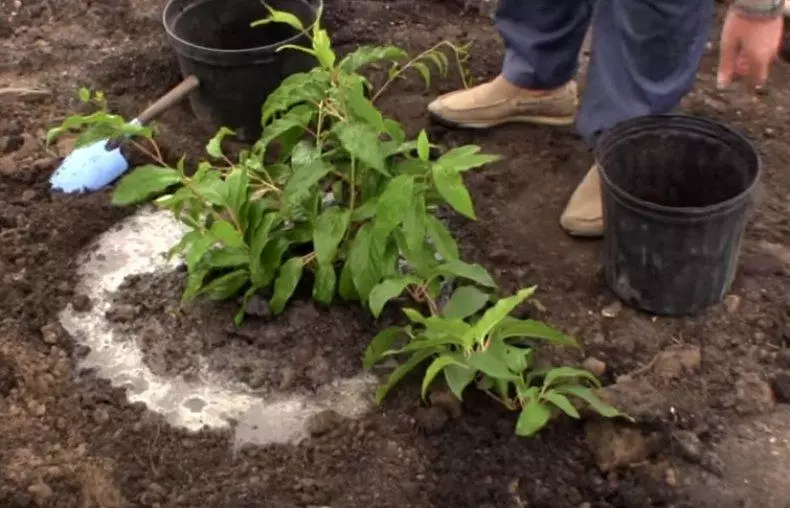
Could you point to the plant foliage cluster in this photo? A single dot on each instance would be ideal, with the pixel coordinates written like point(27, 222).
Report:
point(334, 194)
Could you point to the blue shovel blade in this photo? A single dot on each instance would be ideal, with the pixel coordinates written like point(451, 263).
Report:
point(89, 168)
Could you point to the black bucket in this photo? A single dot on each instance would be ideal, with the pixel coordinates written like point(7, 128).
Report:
point(676, 192)
point(238, 66)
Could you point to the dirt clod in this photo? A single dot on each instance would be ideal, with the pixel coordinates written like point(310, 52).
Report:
point(615, 446)
point(594, 365)
point(676, 362)
point(753, 395)
point(322, 423)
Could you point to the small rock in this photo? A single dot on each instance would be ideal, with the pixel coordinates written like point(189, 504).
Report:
point(612, 310)
point(322, 423)
point(41, 493)
point(122, 313)
point(615, 446)
point(50, 334)
point(28, 196)
point(671, 477)
point(732, 303)
point(688, 445)
point(712, 463)
point(753, 395)
point(594, 365)
point(781, 387)
point(676, 362)
point(431, 420)
point(447, 401)
point(81, 303)
point(258, 307)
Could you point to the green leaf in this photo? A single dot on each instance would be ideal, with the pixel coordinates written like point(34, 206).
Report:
point(84, 95)
point(401, 371)
point(365, 259)
point(450, 186)
point(497, 313)
point(424, 72)
point(307, 174)
point(346, 287)
point(512, 327)
point(214, 146)
point(227, 258)
point(386, 291)
point(434, 369)
point(533, 418)
point(394, 130)
point(366, 55)
point(227, 234)
point(396, 198)
point(458, 377)
point(465, 302)
point(142, 183)
point(565, 373)
point(415, 223)
point(442, 239)
point(270, 260)
point(295, 119)
point(380, 344)
point(330, 228)
point(423, 146)
point(261, 227)
point(322, 45)
point(464, 158)
point(295, 89)
point(592, 399)
point(490, 365)
point(286, 282)
point(226, 286)
point(562, 402)
point(362, 108)
point(276, 16)
point(473, 272)
point(361, 141)
point(197, 251)
point(324, 285)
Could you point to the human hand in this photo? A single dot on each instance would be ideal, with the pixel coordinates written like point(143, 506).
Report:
point(748, 47)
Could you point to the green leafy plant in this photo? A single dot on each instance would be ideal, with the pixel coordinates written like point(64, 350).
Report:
point(492, 350)
point(332, 188)
point(98, 125)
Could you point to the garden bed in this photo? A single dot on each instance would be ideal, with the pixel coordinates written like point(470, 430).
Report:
point(73, 440)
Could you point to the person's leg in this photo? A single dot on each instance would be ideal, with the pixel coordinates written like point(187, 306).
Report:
point(543, 38)
point(645, 57)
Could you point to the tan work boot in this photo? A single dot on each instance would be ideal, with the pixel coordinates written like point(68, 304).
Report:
point(498, 102)
point(583, 216)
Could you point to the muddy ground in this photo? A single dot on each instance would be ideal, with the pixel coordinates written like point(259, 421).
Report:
point(712, 390)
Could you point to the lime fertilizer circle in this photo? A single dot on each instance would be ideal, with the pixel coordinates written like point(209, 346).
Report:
point(214, 400)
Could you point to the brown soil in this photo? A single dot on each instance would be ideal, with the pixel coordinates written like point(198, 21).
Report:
point(71, 440)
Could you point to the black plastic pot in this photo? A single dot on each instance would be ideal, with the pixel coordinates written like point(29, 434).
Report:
point(676, 192)
point(238, 66)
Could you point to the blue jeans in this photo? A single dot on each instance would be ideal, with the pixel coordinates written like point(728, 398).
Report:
point(645, 53)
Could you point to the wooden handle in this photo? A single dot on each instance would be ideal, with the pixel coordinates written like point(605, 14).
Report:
point(171, 98)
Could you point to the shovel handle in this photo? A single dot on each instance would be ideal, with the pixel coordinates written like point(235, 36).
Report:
point(171, 98)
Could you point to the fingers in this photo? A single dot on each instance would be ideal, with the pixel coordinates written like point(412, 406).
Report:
point(728, 55)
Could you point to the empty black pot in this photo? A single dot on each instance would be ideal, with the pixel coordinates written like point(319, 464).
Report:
point(676, 192)
point(238, 66)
